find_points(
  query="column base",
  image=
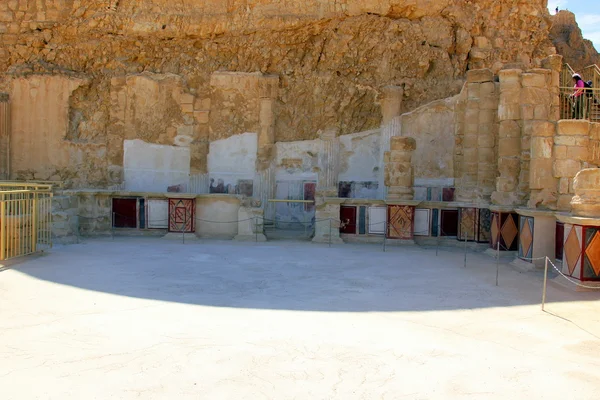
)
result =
(522, 265)
(325, 239)
(178, 236)
(250, 238)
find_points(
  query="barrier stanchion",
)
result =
(466, 237)
(385, 231)
(497, 262)
(329, 232)
(437, 245)
(545, 284)
(112, 227)
(256, 229)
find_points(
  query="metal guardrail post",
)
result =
(466, 237)
(497, 262)
(329, 232)
(545, 284)
(34, 219)
(3, 230)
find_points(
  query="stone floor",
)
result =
(155, 319)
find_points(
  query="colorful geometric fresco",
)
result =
(468, 224)
(526, 238)
(572, 249)
(181, 215)
(401, 222)
(485, 225)
(591, 263)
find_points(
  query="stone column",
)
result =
(327, 215)
(509, 139)
(391, 103)
(540, 131)
(391, 110)
(265, 188)
(328, 163)
(399, 174)
(586, 186)
(4, 136)
(554, 63)
(571, 154)
(476, 130)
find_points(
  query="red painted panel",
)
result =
(124, 213)
(449, 223)
(348, 220)
(559, 242)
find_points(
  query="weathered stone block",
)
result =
(486, 141)
(401, 143)
(538, 128)
(566, 168)
(508, 76)
(487, 89)
(571, 140)
(532, 95)
(541, 112)
(509, 167)
(534, 80)
(512, 96)
(505, 184)
(486, 154)
(508, 147)
(541, 147)
(563, 185)
(487, 117)
(564, 202)
(578, 153)
(527, 111)
(509, 112)
(560, 152)
(470, 141)
(595, 131)
(472, 116)
(480, 75)
(509, 129)
(540, 174)
(573, 127)
(473, 90)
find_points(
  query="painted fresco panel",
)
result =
(348, 220)
(468, 224)
(181, 215)
(377, 220)
(485, 225)
(422, 222)
(401, 221)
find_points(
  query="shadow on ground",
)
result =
(292, 275)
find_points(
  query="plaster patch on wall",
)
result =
(232, 164)
(297, 160)
(432, 126)
(154, 167)
(360, 156)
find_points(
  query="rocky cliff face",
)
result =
(332, 57)
(144, 69)
(569, 41)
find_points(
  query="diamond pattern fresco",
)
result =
(572, 250)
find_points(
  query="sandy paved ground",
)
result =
(153, 319)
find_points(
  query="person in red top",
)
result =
(577, 96)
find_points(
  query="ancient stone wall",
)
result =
(476, 130)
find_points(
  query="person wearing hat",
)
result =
(577, 96)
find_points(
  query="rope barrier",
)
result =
(570, 279)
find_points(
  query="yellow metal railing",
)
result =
(586, 106)
(25, 219)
